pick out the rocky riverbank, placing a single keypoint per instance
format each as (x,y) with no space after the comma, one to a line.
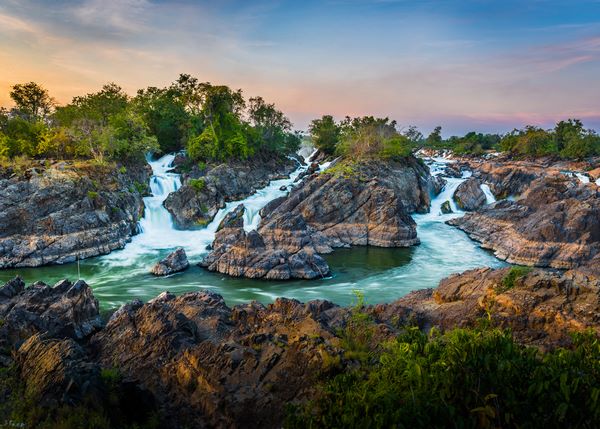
(193,361)
(366,204)
(56,212)
(206,188)
(555,223)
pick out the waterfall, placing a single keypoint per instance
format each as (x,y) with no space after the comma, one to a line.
(489,197)
(158,232)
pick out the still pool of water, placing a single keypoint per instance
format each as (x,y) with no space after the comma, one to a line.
(383,275)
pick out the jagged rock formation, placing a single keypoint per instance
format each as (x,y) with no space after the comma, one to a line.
(542,307)
(199,363)
(369,206)
(174,262)
(64,310)
(246,254)
(446,207)
(554,224)
(215,185)
(469,196)
(58,213)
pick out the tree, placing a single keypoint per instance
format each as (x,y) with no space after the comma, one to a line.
(325,133)
(565,131)
(98,106)
(413,134)
(435,138)
(164,111)
(32,101)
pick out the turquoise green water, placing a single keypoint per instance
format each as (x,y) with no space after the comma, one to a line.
(382,275)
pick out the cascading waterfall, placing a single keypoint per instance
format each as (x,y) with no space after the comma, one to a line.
(158,232)
(383,274)
(489,197)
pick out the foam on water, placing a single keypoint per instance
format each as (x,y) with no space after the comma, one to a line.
(489,197)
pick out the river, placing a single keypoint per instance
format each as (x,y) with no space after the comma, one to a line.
(382,274)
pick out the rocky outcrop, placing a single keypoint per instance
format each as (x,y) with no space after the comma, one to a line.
(55,214)
(66,310)
(206,190)
(246,254)
(192,361)
(541,307)
(174,262)
(362,204)
(469,196)
(554,224)
(446,208)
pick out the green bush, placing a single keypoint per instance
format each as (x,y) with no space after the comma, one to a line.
(465,378)
(92,195)
(515,273)
(197,184)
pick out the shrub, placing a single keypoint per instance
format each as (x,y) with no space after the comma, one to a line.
(92,195)
(469,377)
(197,184)
(515,273)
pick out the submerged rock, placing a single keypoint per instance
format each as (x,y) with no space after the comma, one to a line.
(469,195)
(175,262)
(554,224)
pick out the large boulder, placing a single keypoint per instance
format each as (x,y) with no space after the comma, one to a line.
(65,211)
(469,196)
(246,254)
(554,224)
(206,190)
(175,262)
(66,310)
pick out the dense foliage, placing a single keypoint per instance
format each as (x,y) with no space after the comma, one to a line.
(368,136)
(358,138)
(465,378)
(211,122)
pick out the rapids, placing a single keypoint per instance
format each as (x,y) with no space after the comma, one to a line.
(381,274)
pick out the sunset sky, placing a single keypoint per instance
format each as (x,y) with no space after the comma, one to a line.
(479,64)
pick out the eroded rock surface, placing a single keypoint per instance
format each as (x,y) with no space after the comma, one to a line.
(362,204)
(247,254)
(174,262)
(469,196)
(196,205)
(555,224)
(542,307)
(58,213)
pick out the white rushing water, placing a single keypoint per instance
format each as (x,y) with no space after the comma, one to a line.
(489,197)
(158,231)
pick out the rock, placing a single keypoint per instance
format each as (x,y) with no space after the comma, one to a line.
(469,196)
(554,224)
(240,254)
(541,308)
(446,208)
(192,207)
(175,262)
(57,371)
(209,365)
(61,214)
(283,188)
(369,207)
(65,310)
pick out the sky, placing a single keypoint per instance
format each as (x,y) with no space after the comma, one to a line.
(465,65)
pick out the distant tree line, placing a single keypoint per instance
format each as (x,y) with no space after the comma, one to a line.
(212,122)
(370,136)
